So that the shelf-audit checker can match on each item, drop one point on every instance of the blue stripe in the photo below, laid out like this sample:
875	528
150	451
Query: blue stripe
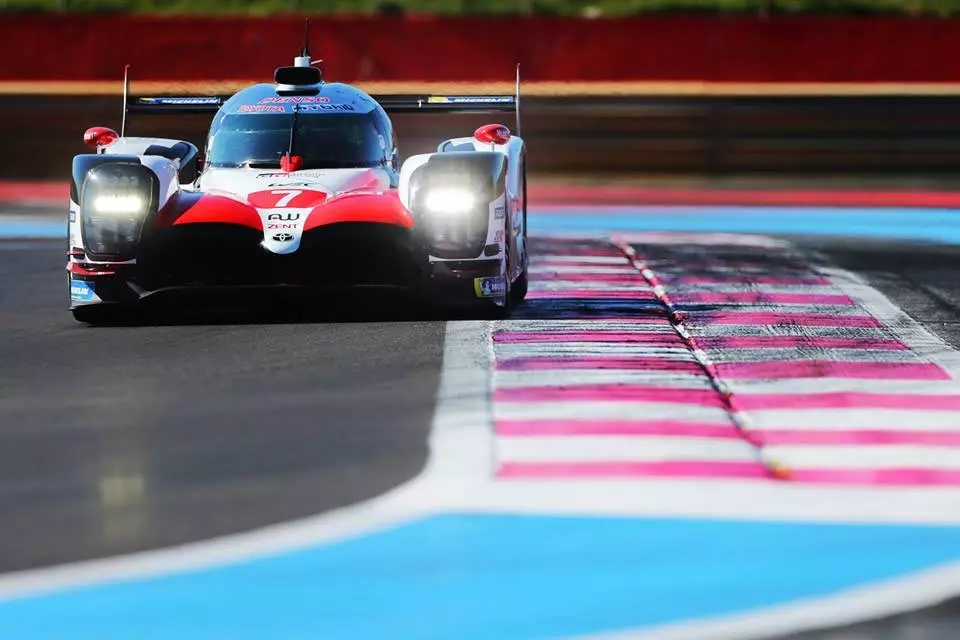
30	227
505	577
937	225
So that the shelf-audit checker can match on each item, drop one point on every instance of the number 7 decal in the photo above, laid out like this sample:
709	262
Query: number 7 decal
284	198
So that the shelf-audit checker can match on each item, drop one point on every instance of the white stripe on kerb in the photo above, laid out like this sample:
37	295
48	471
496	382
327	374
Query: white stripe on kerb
622	449
844	419
878	456
580	377
608	411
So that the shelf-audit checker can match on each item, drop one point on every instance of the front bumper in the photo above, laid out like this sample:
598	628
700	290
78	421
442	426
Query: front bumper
214	261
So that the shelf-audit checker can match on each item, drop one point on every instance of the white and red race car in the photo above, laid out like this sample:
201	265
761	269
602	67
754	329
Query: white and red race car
301	186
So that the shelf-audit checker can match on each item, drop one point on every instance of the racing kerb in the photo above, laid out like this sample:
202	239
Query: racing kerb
678	359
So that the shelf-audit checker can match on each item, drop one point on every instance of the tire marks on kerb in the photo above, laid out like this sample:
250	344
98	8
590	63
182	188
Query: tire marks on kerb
692	356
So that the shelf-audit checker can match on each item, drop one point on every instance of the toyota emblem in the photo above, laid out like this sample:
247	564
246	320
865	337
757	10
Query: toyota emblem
282	237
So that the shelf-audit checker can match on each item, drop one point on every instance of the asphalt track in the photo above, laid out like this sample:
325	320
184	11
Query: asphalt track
131	438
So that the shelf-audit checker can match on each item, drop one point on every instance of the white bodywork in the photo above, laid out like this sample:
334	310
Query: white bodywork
284	223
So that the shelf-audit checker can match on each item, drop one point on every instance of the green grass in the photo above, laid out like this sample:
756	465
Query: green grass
562	7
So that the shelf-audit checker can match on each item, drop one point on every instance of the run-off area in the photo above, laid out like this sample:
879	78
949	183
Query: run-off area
697	356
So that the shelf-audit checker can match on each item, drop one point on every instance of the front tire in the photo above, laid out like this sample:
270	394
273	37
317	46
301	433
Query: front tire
518	291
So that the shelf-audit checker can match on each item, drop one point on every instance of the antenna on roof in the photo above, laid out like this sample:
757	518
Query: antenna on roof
516	101
303	60
126	95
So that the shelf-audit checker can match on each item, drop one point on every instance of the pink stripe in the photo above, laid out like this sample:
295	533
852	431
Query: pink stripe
615	278
613	469
841	400
817	342
863	436
831	369
740	278
571	248
623	364
546	337
610	393
615	428
795	319
573	262
725	469
593	294
924	477
761	297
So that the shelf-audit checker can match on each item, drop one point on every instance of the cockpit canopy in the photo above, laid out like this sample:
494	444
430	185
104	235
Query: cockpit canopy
340	128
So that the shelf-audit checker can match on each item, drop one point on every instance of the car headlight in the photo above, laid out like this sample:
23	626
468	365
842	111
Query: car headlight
450	200
119	203
117	199
452	218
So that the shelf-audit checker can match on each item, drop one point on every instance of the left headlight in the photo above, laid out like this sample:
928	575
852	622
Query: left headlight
117	198
130	204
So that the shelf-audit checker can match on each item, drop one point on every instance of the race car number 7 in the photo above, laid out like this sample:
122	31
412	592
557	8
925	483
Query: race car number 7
283	198
286	195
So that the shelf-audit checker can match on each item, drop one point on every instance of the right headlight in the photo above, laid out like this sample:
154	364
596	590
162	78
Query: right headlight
450	201
452	216
117	199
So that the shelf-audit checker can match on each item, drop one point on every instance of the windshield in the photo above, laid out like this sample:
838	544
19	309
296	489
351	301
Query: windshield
323	140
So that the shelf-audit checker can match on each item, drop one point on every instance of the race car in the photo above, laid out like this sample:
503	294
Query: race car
300	186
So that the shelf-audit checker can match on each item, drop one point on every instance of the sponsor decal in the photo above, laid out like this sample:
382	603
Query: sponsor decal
260	108
489	287
208	100
289	217
81	291
281	225
292	184
73	216
499	212
498	236
282	237
266	176
470	100
326	107
295	100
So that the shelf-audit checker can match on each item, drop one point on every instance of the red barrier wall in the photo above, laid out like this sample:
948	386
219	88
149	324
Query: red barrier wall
788	49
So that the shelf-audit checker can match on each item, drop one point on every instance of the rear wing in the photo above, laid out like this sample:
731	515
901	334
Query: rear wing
394	103
175	104
390	103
